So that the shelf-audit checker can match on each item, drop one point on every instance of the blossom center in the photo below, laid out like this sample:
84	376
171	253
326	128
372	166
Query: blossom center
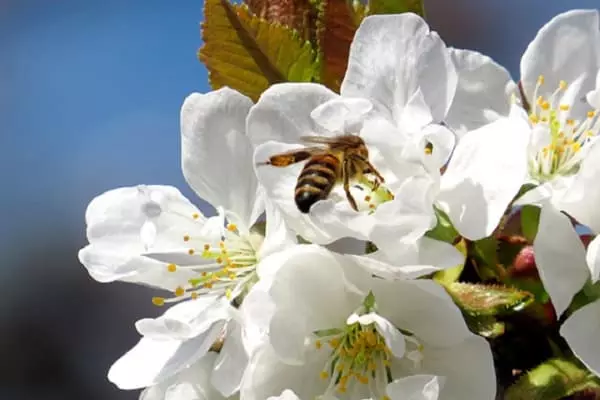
229	266
562	135
376	194
359	356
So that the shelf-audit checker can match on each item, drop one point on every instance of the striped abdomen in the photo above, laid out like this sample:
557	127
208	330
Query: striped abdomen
316	180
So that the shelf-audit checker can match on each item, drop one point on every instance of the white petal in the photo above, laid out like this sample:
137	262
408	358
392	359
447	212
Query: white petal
483	91
560	257
487	169
593	96
394	339
583	195
190	384
581	331
593	259
126	225
416	387
342	114
409	57
151	361
283	113
475	379
217	155
573	35
256	312
421	307
285	395
231	363
278	235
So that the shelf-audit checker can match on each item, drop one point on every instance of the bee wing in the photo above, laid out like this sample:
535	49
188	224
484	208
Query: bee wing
320	139
334	141
293	156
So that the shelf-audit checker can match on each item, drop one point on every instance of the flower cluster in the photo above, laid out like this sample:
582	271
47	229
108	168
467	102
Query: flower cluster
269	301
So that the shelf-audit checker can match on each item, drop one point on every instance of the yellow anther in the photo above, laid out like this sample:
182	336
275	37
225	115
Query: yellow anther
232	227
318	344
371	339
386	363
591	114
179	291
545	105
219	260
334	342
589	133
540	80
576	146
191	252
372	366
367	198
540	101
562	85
206	247
324	375
158	301
428	150
533	119
564	107
340	367
194	295
195	215
232	276
386	398
171	267
186	238
343	380
372	206
208	285
204	273
228	293
362	379
571	122
341	389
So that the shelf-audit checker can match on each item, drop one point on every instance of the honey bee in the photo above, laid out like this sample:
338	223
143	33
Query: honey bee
338	159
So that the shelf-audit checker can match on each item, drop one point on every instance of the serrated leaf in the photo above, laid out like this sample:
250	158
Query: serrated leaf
249	54
396	7
335	30
491	300
530	219
552	380
300	15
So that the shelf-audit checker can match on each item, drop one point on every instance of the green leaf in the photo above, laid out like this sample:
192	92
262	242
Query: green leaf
444	230
485	325
396	7
335	30
530	219
299	15
552	380
491	300
249	54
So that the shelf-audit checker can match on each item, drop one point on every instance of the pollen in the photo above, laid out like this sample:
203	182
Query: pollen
195	215
324	375
232	227
562	85
186	238
540	80
191	252
564	107
171	267
591	114
194	295
179	291
158	301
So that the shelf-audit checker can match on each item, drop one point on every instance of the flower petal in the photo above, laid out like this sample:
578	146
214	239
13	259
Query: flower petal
573	35
151	361
285	395
593	259
473	380
416	387
409	57
560	257
342	114
126	225
394	339
213	134
486	171
283	113
581	331
482	94
231	363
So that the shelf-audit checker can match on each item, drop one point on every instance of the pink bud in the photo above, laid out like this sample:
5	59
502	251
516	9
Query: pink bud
524	264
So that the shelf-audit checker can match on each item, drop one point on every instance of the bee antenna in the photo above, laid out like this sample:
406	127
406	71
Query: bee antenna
258	164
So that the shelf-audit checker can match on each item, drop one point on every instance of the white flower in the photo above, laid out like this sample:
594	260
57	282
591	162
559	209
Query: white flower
192	383
153	235
391	105
336	331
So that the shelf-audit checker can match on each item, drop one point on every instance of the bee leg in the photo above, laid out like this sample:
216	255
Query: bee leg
346	175
370	169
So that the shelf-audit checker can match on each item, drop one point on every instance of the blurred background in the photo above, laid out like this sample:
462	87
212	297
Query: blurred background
90	92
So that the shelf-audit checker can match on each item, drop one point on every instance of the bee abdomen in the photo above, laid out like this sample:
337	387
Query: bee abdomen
315	181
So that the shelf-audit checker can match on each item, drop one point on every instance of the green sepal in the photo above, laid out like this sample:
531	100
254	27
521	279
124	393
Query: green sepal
396	7
553	380
444	230
488	300
450	275
530	219
485	325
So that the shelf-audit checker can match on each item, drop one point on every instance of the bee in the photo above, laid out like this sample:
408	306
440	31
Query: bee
333	160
